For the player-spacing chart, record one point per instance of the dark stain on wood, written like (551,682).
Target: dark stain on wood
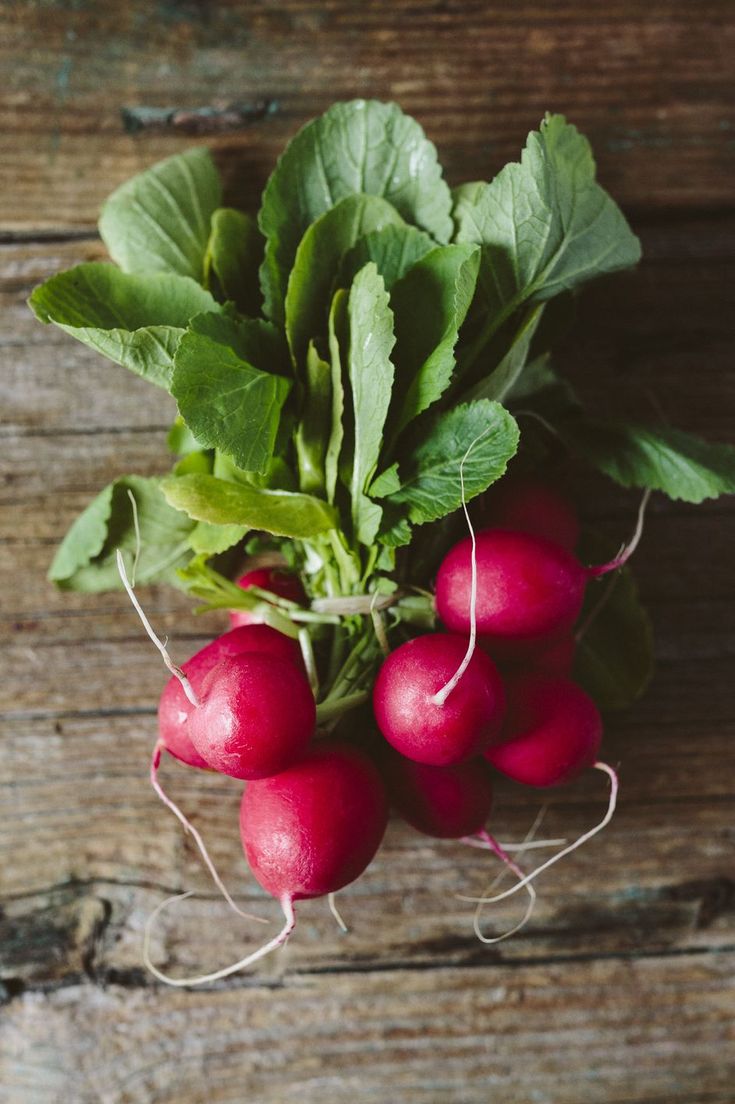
(54,941)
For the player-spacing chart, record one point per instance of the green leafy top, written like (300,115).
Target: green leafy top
(317,262)
(335,363)
(664,459)
(226,384)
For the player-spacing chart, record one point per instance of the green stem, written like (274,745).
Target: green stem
(487,333)
(307,653)
(308,616)
(335,707)
(349,572)
(336,653)
(345,679)
(370,565)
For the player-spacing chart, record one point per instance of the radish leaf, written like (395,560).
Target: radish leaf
(371,375)
(317,262)
(233,257)
(362,146)
(86,557)
(310,441)
(227,401)
(430,304)
(135,321)
(395,249)
(159,221)
(429,474)
(282,513)
(679,464)
(337,355)
(544,223)
(211,540)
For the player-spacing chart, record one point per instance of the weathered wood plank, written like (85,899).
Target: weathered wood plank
(547,1033)
(650,83)
(410,1006)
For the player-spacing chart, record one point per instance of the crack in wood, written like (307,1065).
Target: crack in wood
(61,942)
(216,118)
(136,977)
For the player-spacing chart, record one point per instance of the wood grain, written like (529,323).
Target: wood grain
(651,83)
(621,989)
(446,1036)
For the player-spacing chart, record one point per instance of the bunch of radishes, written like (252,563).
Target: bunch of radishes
(492,691)
(352,365)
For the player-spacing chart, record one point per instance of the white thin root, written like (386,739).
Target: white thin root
(476,841)
(189,827)
(332,902)
(441,696)
(612,802)
(176,671)
(203,979)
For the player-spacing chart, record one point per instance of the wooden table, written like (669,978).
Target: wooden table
(621,989)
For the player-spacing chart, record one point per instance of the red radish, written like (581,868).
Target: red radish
(444,802)
(557,659)
(529,590)
(314,828)
(528,504)
(445,731)
(174,708)
(256,715)
(284,584)
(307,832)
(178,737)
(451,803)
(552,732)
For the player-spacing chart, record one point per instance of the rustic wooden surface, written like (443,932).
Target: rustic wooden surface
(621,990)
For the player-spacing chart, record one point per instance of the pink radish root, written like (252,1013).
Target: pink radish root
(488,841)
(189,827)
(528,842)
(159,747)
(528,878)
(627,551)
